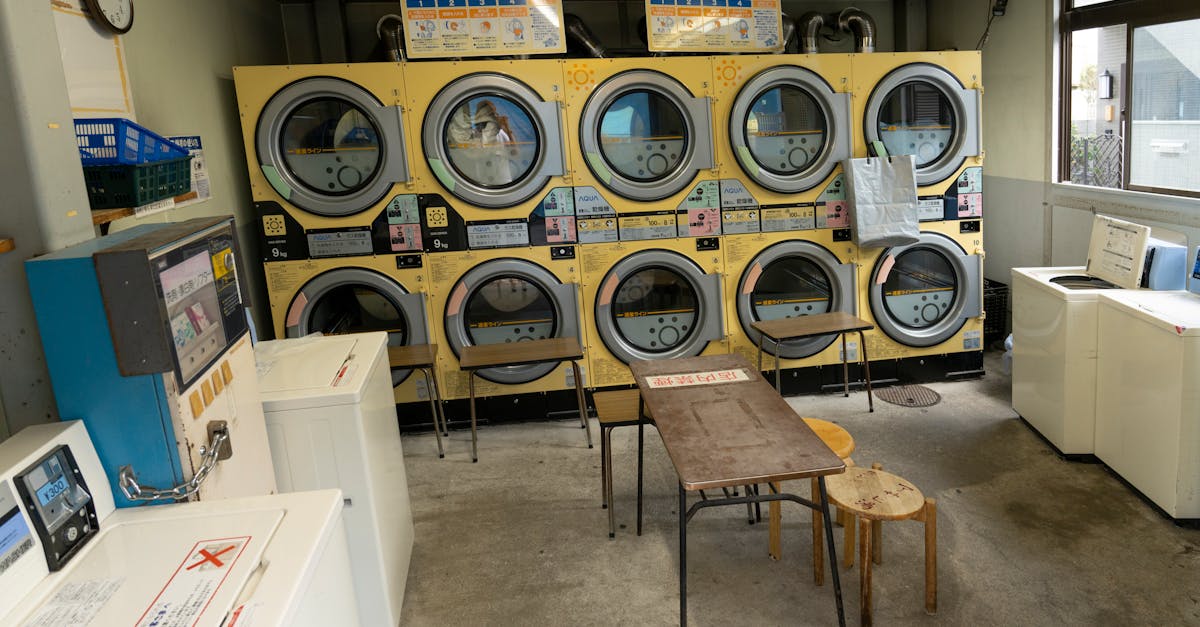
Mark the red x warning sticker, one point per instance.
(195, 582)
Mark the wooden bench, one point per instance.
(832, 323)
(423, 357)
(614, 408)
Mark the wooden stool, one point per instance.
(875, 496)
(842, 443)
(614, 408)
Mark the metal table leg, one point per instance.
(683, 521)
(845, 368)
(778, 349)
(760, 351)
(866, 369)
(433, 409)
(437, 392)
(603, 467)
(641, 429)
(582, 400)
(837, 582)
(474, 436)
(606, 444)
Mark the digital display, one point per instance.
(50, 490)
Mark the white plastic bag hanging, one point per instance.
(882, 193)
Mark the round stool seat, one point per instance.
(874, 494)
(833, 436)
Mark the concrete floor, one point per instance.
(1024, 538)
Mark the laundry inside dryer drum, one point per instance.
(643, 135)
(785, 130)
(791, 287)
(509, 309)
(491, 141)
(920, 289)
(917, 119)
(331, 146)
(655, 309)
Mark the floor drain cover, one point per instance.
(909, 395)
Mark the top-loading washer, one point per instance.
(928, 105)
(641, 139)
(328, 152)
(784, 126)
(1054, 354)
(493, 146)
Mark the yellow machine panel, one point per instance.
(640, 135)
(504, 295)
(783, 127)
(490, 137)
(785, 275)
(925, 298)
(651, 300)
(353, 295)
(929, 105)
(329, 144)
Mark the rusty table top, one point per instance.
(810, 326)
(731, 429)
(520, 353)
(413, 356)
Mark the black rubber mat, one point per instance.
(909, 395)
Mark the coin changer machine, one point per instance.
(147, 343)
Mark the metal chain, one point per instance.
(135, 492)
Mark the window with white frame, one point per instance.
(1131, 95)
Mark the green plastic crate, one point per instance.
(116, 186)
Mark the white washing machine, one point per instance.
(331, 422)
(67, 557)
(1054, 354)
(1148, 395)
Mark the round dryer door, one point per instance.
(658, 304)
(510, 300)
(789, 129)
(356, 300)
(922, 110)
(329, 147)
(792, 279)
(644, 135)
(492, 141)
(921, 294)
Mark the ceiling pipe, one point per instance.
(810, 25)
(860, 24)
(390, 29)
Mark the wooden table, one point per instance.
(723, 426)
(833, 323)
(553, 350)
(423, 357)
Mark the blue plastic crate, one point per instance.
(117, 141)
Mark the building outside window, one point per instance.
(1131, 95)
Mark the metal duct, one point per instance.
(390, 29)
(809, 26)
(789, 33)
(860, 24)
(578, 32)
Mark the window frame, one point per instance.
(1133, 14)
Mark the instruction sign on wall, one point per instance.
(474, 28)
(714, 25)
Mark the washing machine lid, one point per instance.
(923, 110)
(317, 371)
(644, 135)
(658, 304)
(1176, 312)
(790, 279)
(510, 300)
(329, 147)
(492, 141)
(140, 562)
(1070, 283)
(789, 129)
(921, 294)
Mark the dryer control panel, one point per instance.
(59, 505)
